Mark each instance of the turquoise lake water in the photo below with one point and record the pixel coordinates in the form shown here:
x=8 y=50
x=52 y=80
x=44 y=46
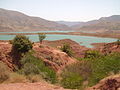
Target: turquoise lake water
x=86 y=40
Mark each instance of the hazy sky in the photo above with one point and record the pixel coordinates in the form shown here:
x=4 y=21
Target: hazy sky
x=68 y=10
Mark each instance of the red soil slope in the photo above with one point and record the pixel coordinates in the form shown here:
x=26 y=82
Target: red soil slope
x=79 y=51
x=108 y=48
x=52 y=57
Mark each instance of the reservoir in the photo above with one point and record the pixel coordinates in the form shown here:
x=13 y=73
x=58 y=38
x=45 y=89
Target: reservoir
x=82 y=40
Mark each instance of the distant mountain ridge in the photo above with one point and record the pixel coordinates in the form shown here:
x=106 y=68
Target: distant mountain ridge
x=70 y=24
x=16 y=21
x=104 y=23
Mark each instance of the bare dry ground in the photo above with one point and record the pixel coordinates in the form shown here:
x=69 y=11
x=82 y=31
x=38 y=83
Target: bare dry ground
x=30 y=86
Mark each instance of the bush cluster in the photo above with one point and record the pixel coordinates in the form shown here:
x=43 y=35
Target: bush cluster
x=21 y=44
x=117 y=42
x=104 y=66
x=67 y=49
x=91 y=69
x=34 y=66
x=92 y=54
x=71 y=80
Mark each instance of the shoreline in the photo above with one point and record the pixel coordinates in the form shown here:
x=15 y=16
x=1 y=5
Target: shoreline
x=104 y=35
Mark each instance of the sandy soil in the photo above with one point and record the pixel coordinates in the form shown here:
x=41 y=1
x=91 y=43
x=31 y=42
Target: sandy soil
x=30 y=86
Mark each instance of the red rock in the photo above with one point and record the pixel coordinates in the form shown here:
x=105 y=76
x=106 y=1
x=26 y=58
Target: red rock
x=109 y=83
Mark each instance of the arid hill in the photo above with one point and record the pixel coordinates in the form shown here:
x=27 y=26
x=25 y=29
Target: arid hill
x=70 y=24
x=16 y=21
x=102 y=24
x=78 y=51
x=107 y=48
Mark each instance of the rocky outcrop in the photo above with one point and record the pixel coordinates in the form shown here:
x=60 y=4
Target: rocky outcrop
x=109 y=83
x=109 y=48
x=53 y=57
x=5 y=54
x=78 y=51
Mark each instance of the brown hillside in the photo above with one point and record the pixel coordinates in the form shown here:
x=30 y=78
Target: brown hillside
x=16 y=21
x=52 y=57
x=107 y=48
x=78 y=51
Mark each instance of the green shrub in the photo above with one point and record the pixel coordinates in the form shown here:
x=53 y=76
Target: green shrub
x=35 y=78
x=21 y=44
x=102 y=67
x=42 y=36
x=34 y=66
x=30 y=68
x=4 y=72
x=92 y=54
x=93 y=69
x=67 y=49
x=81 y=69
x=117 y=42
x=71 y=80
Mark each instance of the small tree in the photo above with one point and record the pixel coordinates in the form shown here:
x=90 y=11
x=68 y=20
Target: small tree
x=42 y=36
x=118 y=42
x=21 y=44
x=67 y=49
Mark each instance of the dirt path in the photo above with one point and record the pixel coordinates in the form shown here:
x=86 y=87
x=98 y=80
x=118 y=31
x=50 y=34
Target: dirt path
x=30 y=86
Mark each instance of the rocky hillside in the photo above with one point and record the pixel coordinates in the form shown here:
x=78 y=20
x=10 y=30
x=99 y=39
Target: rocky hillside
x=109 y=83
x=104 y=23
x=108 y=48
x=70 y=24
x=78 y=51
x=52 y=57
x=16 y=21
